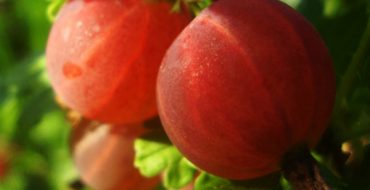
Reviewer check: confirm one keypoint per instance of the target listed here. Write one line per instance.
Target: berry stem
(77, 185)
(302, 171)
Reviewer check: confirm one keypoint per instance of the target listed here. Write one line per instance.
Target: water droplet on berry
(71, 70)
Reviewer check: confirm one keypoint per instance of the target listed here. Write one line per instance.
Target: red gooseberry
(103, 56)
(244, 83)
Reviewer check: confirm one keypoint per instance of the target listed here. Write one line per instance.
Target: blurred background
(34, 133)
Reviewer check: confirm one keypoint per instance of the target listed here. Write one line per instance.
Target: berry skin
(103, 56)
(244, 83)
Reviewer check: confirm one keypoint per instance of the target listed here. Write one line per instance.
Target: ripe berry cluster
(236, 88)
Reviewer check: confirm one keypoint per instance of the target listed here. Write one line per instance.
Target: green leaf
(25, 96)
(6, 55)
(32, 26)
(207, 181)
(179, 174)
(211, 182)
(155, 158)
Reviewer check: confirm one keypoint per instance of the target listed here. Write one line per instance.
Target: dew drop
(88, 33)
(66, 34)
(79, 24)
(96, 28)
(71, 70)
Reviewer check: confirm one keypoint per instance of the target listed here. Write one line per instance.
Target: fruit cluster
(236, 88)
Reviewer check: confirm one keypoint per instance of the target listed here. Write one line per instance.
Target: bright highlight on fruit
(103, 56)
(243, 84)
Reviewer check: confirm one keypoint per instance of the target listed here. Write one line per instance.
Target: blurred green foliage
(34, 133)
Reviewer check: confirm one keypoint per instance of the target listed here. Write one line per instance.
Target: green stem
(53, 9)
(77, 185)
(347, 85)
